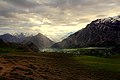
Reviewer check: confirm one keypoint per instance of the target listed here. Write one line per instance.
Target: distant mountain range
(10, 38)
(100, 32)
(39, 40)
(10, 46)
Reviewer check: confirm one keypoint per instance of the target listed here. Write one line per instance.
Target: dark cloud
(23, 3)
(7, 9)
(65, 4)
(53, 13)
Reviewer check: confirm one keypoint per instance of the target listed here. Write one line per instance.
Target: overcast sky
(54, 18)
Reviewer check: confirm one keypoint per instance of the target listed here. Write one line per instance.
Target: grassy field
(99, 63)
(57, 66)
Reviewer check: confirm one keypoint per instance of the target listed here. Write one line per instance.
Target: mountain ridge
(100, 32)
(39, 40)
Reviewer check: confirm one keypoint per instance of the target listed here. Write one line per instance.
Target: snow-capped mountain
(100, 32)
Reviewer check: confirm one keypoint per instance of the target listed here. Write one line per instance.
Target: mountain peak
(41, 41)
(106, 23)
(117, 17)
(39, 34)
(108, 20)
(100, 32)
(7, 34)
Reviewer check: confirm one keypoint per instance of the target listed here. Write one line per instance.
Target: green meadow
(59, 65)
(99, 63)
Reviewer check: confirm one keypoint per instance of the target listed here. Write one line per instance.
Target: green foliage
(8, 50)
(93, 51)
(99, 63)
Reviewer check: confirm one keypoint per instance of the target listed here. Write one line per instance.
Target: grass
(110, 64)
(53, 65)
(99, 63)
(4, 50)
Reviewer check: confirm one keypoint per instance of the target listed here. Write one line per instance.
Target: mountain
(12, 38)
(100, 32)
(10, 46)
(8, 38)
(16, 42)
(40, 41)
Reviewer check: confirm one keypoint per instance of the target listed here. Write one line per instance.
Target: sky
(55, 19)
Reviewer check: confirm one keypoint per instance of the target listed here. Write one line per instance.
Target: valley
(92, 53)
(59, 39)
(57, 66)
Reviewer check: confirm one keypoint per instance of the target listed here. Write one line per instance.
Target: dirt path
(48, 67)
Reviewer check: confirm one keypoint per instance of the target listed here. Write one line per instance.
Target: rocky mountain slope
(16, 47)
(40, 41)
(19, 38)
(100, 32)
(10, 38)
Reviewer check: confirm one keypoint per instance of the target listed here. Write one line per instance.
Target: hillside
(100, 32)
(6, 47)
(14, 38)
(57, 66)
(40, 41)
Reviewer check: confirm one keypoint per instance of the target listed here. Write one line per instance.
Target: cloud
(54, 18)
(23, 3)
(100, 16)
